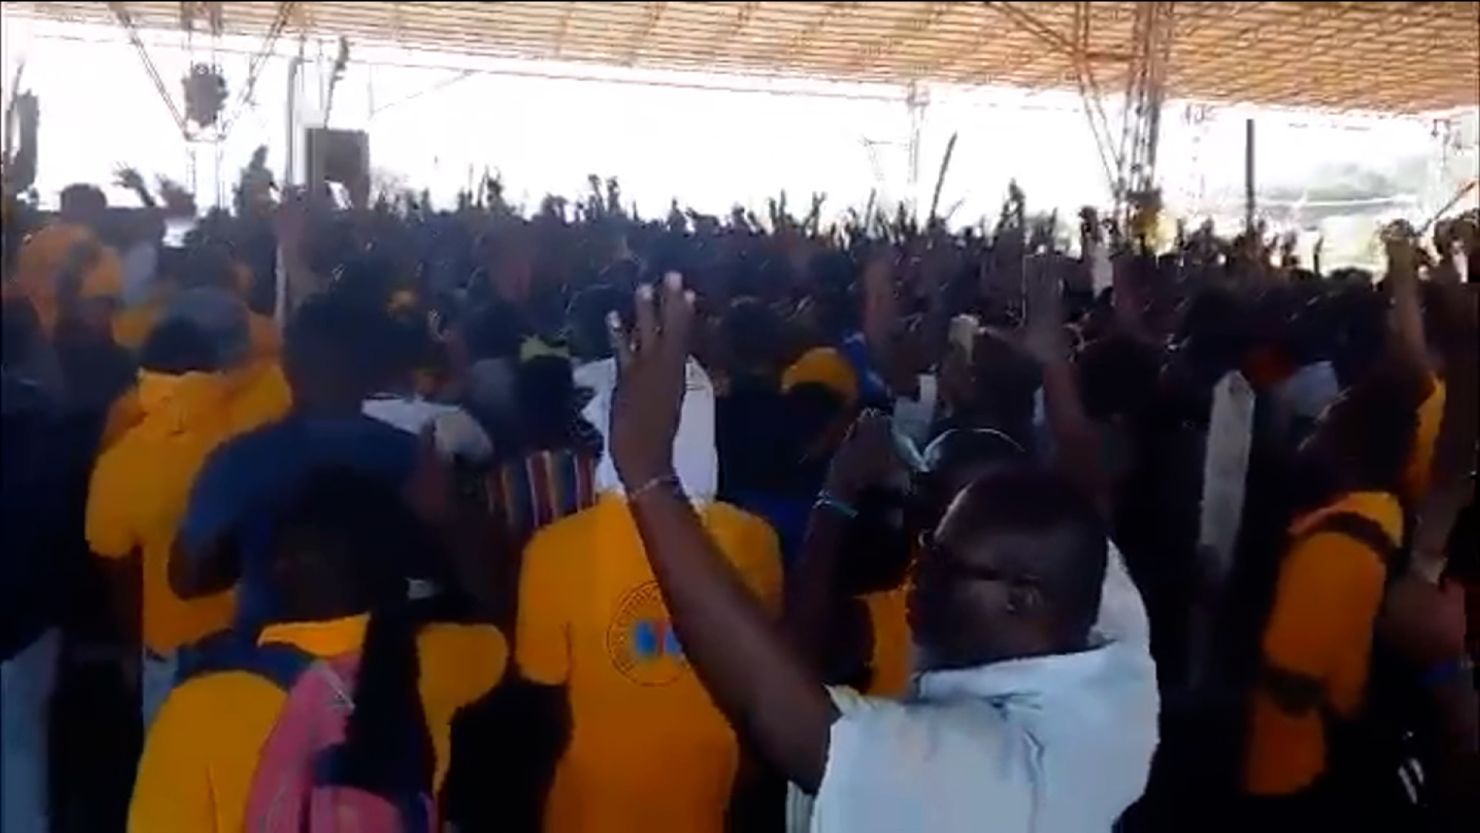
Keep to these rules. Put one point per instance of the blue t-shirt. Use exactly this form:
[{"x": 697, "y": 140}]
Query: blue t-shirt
[{"x": 244, "y": 483}]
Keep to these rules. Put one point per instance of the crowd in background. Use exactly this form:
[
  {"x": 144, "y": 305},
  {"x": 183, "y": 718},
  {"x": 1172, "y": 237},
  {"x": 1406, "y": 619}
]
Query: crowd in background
[{"x": 490, "y": 477}]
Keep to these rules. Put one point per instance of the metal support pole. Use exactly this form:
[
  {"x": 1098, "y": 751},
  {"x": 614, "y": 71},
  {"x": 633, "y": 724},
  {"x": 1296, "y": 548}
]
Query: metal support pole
[
  {"x": 916, "y": 100},
  {"x": 290, "y": 168},
  {"x": 1249, "y": 174}
]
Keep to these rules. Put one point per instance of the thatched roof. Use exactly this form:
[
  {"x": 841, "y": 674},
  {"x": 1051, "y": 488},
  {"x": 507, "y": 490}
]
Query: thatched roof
[{"x": 1395, "y": 57}]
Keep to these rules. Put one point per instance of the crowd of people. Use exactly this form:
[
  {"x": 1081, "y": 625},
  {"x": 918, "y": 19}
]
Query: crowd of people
[{"x": 396, "y": 518}]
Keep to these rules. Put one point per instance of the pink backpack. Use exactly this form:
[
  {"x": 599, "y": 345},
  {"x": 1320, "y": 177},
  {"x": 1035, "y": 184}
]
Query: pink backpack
[{"x": 294, "y": 787}]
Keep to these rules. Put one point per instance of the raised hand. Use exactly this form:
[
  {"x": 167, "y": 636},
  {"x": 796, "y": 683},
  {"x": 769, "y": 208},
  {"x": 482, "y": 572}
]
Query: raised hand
[
  {"x": 868, "y": 456},
  {"x": 650, "y": 382},
  {"x": 1044, "y": 290},
  {"x": 128, "y": 177}
]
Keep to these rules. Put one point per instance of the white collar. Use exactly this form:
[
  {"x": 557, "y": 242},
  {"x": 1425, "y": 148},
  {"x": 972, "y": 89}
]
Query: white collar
[{"x": 1026, "y": 677}]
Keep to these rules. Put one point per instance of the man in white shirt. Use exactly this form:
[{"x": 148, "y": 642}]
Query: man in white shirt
[{"x": 1027, "y": 716}]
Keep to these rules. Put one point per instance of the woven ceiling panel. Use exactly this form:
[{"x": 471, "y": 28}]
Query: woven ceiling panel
[{"x": 1396, "y": 57}]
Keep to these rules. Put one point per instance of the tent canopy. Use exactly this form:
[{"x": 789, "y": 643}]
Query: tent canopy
[{"x": 1390, "y": 57}]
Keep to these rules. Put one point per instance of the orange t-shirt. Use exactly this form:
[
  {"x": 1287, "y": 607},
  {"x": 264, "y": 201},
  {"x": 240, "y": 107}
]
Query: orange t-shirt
[
  {"x": 649, "y": 751},
  {"x": 1326, "y": 602}
]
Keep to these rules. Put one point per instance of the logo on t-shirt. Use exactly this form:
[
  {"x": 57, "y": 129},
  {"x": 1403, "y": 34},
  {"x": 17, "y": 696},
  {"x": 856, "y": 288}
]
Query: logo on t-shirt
[{"x": 640, "y": 639}]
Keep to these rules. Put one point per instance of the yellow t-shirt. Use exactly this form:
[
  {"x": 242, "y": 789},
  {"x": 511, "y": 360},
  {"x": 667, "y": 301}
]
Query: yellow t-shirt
[
  {"x": 256, "y": 394},
  {"x": 890, "y": 657},
  {"x": 649, "y": 751},
  {"x": 139, "y": 491},
  {"x": 1326, "y": 602},
  {"x": 158, "y": 437},
  {"x": 196, "y": 771}
]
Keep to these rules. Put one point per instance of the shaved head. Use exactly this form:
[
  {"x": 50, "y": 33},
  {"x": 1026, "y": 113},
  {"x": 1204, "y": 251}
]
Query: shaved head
[{"x": 1014, "y": 569}]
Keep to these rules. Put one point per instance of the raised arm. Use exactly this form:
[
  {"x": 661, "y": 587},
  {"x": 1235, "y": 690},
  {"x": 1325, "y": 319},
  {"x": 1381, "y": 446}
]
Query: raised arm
[
  {"x": 1076, "y": 446},
  {"x": 1409, "y": 346},
  {"x": 866, "y": 458},
  {"x": 750, "y": 670}
]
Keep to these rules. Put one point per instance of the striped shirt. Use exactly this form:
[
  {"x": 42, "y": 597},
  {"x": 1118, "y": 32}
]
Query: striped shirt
[{"x": 541, "y": 488}]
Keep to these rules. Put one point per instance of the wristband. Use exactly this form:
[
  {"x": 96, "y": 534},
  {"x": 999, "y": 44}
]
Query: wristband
[{"x": 837, "y": 504}]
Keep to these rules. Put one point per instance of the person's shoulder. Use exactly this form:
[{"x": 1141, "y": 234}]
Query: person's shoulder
[
  {"x": 460, "y": 662},
  {"x": 261, "y": 438},
  {"x": 567, "y": 534},
  {"x": 957, "y": 728},
  {"x": 730, "y": 523},
  {"x": 204, "y": 699},
  {"x": 464, "y": 645}
]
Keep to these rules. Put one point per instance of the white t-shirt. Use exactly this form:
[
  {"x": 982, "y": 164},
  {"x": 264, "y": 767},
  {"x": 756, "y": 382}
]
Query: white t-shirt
[
  {"x": 1056, "y": 744},
  {"x": 455, "y": 431}
]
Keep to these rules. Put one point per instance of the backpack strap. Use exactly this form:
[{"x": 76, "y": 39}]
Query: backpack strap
[{"x": 279, "y": 663}]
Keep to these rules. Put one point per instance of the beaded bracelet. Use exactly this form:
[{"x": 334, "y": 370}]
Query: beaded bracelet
[{"x": 670, "y": 480}]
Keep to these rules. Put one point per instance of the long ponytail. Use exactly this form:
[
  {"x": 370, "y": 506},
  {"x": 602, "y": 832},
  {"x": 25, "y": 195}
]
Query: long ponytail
[
  {"x": 386, "y": 741},
  {"x": 347, "y": 543}
]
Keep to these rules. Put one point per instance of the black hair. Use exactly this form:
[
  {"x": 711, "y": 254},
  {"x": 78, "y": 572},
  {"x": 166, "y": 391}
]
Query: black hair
[
  {"x": 586, "y": 319},
  {"x": 336, "y": 344},
  {"x": 84, "y": 196},
  {"x": 344, "y": 542},
  {"x": 549, "y": 404},
  {"x": 1030, "y": 501},
  {"x": 754, "y": 335},
  {"x": 1214, "y": 328},
  {"x": 1117, "y": 376},
  {"x": 1359, "y": 332},
  {"x": 367, "y": 278},
  {"x": 207, "y": 264},
  {"x": 407, "y": 346},
  {"x": 494, "y": 332},
  {"x": 177, "y": 346},
  {"x": 1370, "y": 429}
]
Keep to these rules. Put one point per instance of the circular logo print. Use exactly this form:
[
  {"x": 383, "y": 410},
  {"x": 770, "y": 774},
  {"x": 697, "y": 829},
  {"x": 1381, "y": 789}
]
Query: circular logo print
[{"x": 640, "y": 640}]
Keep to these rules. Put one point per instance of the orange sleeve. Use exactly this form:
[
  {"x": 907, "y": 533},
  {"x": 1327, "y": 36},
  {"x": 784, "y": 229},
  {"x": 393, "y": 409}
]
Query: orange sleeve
[
  {"x": 1329, "y": 590},
  {"x": 108, "y": 526},
  {"x": 751, "y": 545},
  {"x": 541, "y": 641}
]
